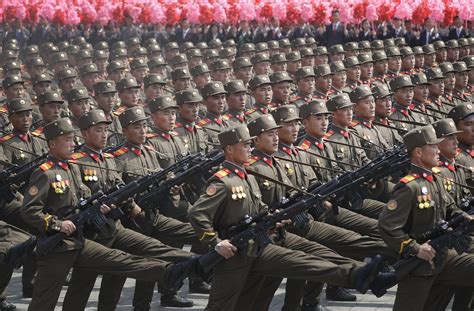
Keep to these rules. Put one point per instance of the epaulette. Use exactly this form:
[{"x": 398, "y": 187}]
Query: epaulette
[
  {"x": 174, "y": 133},
  {"x": 329, "y": 134},
  {"x": 222, "y": 173},
  {"x": 226, "y": 117},
  {"x": 3, "y": 109},
  {"x": 306, "y": 144},
  {"x": 107, "y": 155},
  {"x": 250, "y": 111},
  {"x": 407, "y": 179},
  {"x": 354, "y": 123},
  {"x": 120, "y": 151},
  {"x": 119, "y": 111},
  {"x": 204, "y": 122},
  {"x": 151, "y": 135},
  {"x": 78, "y": 155},
  {"x": 149, "y": 147},
  {"x": 253, "y": 160},
  {"x": 178, "y": 124},
  {"x": 6, "y": 138},
  {"x": 38, "y": 131},
  {"x": 46, "y": 166},
  {"x": 436, "y": 170}
]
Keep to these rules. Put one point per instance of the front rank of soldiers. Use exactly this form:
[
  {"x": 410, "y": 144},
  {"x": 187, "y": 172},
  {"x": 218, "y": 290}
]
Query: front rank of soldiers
[{"x": 295, "y": 112}]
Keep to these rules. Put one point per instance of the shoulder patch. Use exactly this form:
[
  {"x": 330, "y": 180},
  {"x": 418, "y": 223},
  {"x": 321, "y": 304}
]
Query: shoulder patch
[
  {"x": 120, "y": 151},
  {"x": 305, "y": 145},
  {"x": 250, "y": 111},
  {"x": 178, "y": 124},
  {"x": 6, "y": 138},
  {"x": 204, "y": 122},
  {"x": 46, "y": 166},
  {"x": 3, "y": 109},
  {"x": 108, "y": 155},
  {"x": 436, "y": 170},
  {"x": 119, "y": 111},
  {"x": 392, "y": 205},
  {"x": 354, "y": 123},
  {"x": 407, "y": 179},
  {"x": 211, "y": 190},
  {"x": 149, "y": 147},
  {"x": 226, "y": 117},
  {"x": 78, "y": 155},
  {"x": 38, "y": 131},
  {"x": 174, "y": 133},
  {"x": 329, "y": 134},
  {"x": 222, "y": 173},
  {"x": 151, "y": 135}
]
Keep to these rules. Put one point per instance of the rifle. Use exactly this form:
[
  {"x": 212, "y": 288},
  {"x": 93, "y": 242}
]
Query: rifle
[
  {"x": 453, "y": 234},
  {"x": 17, "y": 175},
  {"x": 188, "y": 174},
  {"x": 256, "y": 228},
  {"x": 89, "y": 209}
]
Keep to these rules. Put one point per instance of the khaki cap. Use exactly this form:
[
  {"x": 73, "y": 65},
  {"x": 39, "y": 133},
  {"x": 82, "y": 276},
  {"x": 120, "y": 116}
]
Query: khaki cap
[
  {"x": 179, "y": 59},
  {"x": 77, "y": 93},
  {"x": 261, "y": 124},
  {"x": 365, "y": 58},
  {"x": 59, "y": 57},
  {"x": 104, "y": 87},
  {"x": 234, "y": 136},
  {"x": 258, "y": 81},
  {"x": 278, "y": 58},
  {"x": 460, "y": 67},
  {"x": 156, "y": 61},
  {"x": 115, "y": 65},
  {"x": 261, "y": 47},
  {"x": 227, "y": 52},
  {"x": 161, "y": 103},
  {"x": 127, "y": 83},
  {"x": 322, "y": 70},
  {"x": 188, "y": 96},
  {"x": 247, "y": 47},
  {"x": 293, "y": 56},
  {"x": 304, "y": 72},
  {"x": 421, "y": 136},
  {"x": 306, "y": 52},
  {"x": 281, "y": 76},
  {"x": 338, "y": 48},
  {"x": 351, "y": 62},
  {"x": 351, "y": 46},
  {"x": 138, "y": 63},
  {"x": 417, "y": 50},
  {"x": 286, "y": 113},
  {"x": 434, "y": 73},
  {"x": 314, "y": 107},
  {"x": 360, "y": 92},
  {"x": 377, "y": 44},
  {"x": 241, "y": 62},
  {"x": 57, "y": 128},
  {"x": 339, "y": 101},
  {"x": 429, "y": 49},
  {"x": 445, "y": 127},
  {"x": 99, "y": 54},
  {"x": 401, "y": 82},
  {"x": 199, "y": 70},
  {"x": 180, "y": 73},
  {"x": 381, "y": 91},
  {"x": 93, "y": 117},
  {"x": 419, "y": 79},
  {"x": 132, "y": 115},
  {"x": 220, "y": 64},
  {"x": 235, "y": 86},
  {"x": 461, "y": 111},
  {"x": 439, "y": 45},
  {"x": 88, "y": 69},
  {"x": 18, "y": 105},
  {"x": 41, "y": 77},
  {"x": 379, "y": 55},
  {"x": 213, "y": 88},
  {"x": 152, "y": 79},
  {"x": 406, "y": 51},
  {"x": 11, "y": 80},
  {"x": 321, "y": 50},
  {"x": 50, "y": 97},
  {"x": 446, "y": 67},
  {"x": 259, "y": 58},
  {"x": 337, "y": 66},
  {"x": 393, "y": 51},
  {"x": 364, "y": 45}
]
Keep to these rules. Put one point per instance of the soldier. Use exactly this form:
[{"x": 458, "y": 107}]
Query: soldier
[
  {"x": 213, "y": 122},
  {"x": 463, "y": 117},
  {"x": 194, "y": 137},
  {"x": 243, "y": 69},
  {"x": 129, "y": 94},
  {"x": 402, "y": 113},
  {"x": 181, "y": 79},
  {"x": 364, "y": 111},
  {"x": 54, "y": 190},
  {"x": 66, "y": 79},
  {"x": 139, "y": 70},
  {"x": 353, "y": 73},
  {"x": 321, "y": 55},
  {"x": 279, "y": 62},
  {"x": 261, "y": 88},
  {"x": 383, "y": 109},
  {"x": 106, "y": 98},
  {"x": 339, "y": 78},
  {"x": 234, "y": 194},
  {"x": 154, "y": 86},
  {"x": 116, "y": 70},
  {"x": 201, "y": 75},
  {"x": 408, "y": 61},
  {"x": 462, "y": 77},
  {"x": 221, "y": 71},
  {"x": 78, "y": 101},
  {"x": 418, "y": 202},
  {"x": 394, "y": 62},
  {"x": 323, "y": 81},
  {"x": 99, "y": 173},
  {"x": 89, "y": 75},
  {"x": 449, "y": 84},
  {"x": 305, "y": 81},
  {"x": 235, "y": 99},
  {"x": 261, "y": 64},
  {"x": 430, "y": 56},
  {"x": 294, "y": 63},
  {"x": 366, "y": 68},
  {"x": 50, "y": 106},
  {"x": 380, "y": 68},
  {"x": 436, "y": 89},
  {"x": 421, "y": 92},
  {"x": 281, "y": 88}
]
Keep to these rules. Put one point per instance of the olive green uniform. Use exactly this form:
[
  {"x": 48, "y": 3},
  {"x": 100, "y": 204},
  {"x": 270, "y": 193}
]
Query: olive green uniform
[
  {"x": 391, "y": 135},
  {"x": 213, "y": 125},
  {"x": 258, "y": 110},
  {"x": 231, "y": 194},
  {"x": 404, "y": 113},
  {"x": 54, "y": 190},
  {"x": 194, "y": 137},
  {"x": 234, "y": 117},
  {"x": 420, "y": 202},
  {"x": 369, "y": 136}
]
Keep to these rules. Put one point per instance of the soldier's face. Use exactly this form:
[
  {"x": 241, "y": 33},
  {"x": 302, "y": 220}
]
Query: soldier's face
[
  {"x": 288, "y": 133},
  {"x": 316, "y": 125},
  {"x": 50, "y": 111},
  {"x": 117, "y": 75},
  {"x": 367, "y": 71},
  {"x": 419, "y": 61},
  {"x": 277, "y": 67},
  {"x": 430, "y": 59},
  {"x": 165, "y": 119},
  {"x": 404, "y": 96},
  {"x": 294, "y": 66},
  {"x": 421, "y": 92},
  {"x": 281, "y": 91},
  {"x": 15, "y": 91},
  {"x": 449, "y": 81},
  {"x": 239, "y": 153},
  {"x": 437, "y": 87},
  {"x": 448, "y": 146},
  {"x": 365, "y": 108},
  {"x": 216, "y": 104},
  {"x": 140, "y": 73},
  {"x": 79, "y": 107},
  {"x": 307, "y": 85},
  {"x": 62, "y": 146},
  {"x": 462, "y": 79},
  {"x": 262, "y": 68},
  {"x": 236, "y": 101},
  {"x": 182, "y": 84},
  {"x": 428, "y": 156},
  {"x": 467, "y": 127},
  {"x": 42, "y": 87},
  {"x": 263, "y": 94},
  {"x": 67, "y": 85},
  {"x": 222, "y": 75},
  {"x": 342, "y": 117},
  {"x": 395, "y": 63},
  {"x": 201, "y": 80},
  {"x": 453, "y": 54},
  {"x": 307, "y": 61},
  {"x": 21, "y": 121},
  {"x": 267, "y": 142},
  {"x": 383, "y": 107},
  {"x": 189, "y": 111},
  {"x": 130, "y": 97},
  {"x": 136, "y": 132},
  {"x": 381, "y": 67},
  {"x": 353, "y": 73},
  {"x": 96, "y": 136},
  {"x": 106, "y": 101},
  {"x": 441, "y": 55},
  {"x": 155, "y": 90},
  {"x": 324, "y": 83},
  {"x": 339, "y": 79},
  {"x": 321, "y": 59}
]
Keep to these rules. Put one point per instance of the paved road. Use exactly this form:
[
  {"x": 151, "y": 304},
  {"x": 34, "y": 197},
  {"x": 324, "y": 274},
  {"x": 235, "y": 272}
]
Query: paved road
[{"x": 364, "y": 302}]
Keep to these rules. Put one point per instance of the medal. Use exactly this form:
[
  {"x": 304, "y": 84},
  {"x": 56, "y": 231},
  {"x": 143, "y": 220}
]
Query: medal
[
  {"x": 58, "y": 177},
  {"x": 424, "y": 190}
]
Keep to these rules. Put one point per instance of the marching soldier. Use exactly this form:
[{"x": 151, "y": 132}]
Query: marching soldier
[
  {"x": 106, "y": 98},
  {"x": 402, "y": 113},
  {"x": 236, "y": 92},
  {"x": 383, "y": 109},
  {"x": 281, "y": 88},
  {"x": 261, "y": 88},
  {"x": 421, "y": 92},
  {"x": 194, "y": 137},
  {"x": 305, "y": 81},
  {"x": 418, "y": 202},
  {"x": 323, "y": 81}
]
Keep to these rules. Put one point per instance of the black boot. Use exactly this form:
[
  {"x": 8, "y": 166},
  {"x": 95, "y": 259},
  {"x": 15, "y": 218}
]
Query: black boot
[
  {"x": 312, "y": 307},
  {"x": 175, "y": 301},
  {"x": 6, "y": 306},
  {"x": 382, "y": 282},
  {"x": 366, "y": 275},
  {"x": 336, "y": 293},
  {"x": 199, "y": 287}
]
